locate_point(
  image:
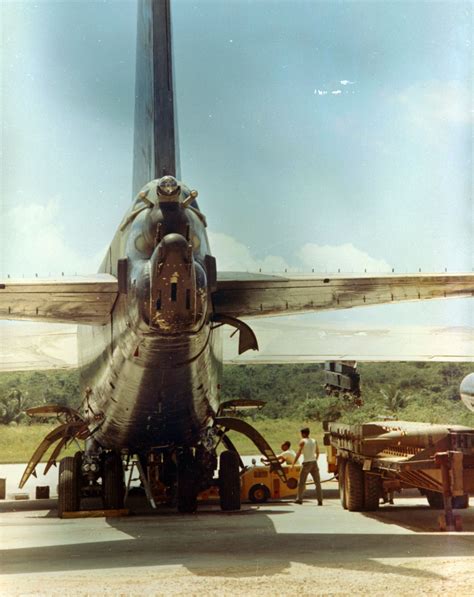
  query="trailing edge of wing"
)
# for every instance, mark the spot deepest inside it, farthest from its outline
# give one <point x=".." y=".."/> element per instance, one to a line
<point x="86" y="300"/>
<point x="258" y="295"/>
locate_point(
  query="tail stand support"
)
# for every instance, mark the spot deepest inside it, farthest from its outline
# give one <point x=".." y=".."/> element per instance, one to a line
<point x="447" y="521"/>
<point x="135" y="463"/>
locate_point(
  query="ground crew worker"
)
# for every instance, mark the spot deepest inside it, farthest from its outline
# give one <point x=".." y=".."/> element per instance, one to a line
<point x="286" y="456"/>
<point x="310" y="450"/>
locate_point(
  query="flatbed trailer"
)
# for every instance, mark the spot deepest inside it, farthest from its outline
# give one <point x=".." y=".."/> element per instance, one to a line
<point x="373" y="460"/>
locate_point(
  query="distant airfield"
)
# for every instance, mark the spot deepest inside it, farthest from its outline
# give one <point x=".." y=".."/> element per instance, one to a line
<point x="39" y="346"/>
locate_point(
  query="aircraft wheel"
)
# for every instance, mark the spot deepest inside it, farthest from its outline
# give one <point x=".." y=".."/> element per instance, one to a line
<point x="435" y="499"/>
<point x="113" y="487"/>
<point x="341" y="474"/>
<point x="229" y="480"/>
<point x="354" y="487"/>
<point x="372" y="492"/>
<point x="69" y="484"/>
<point x="187" y="484"/>
<point x="258" y="494"/>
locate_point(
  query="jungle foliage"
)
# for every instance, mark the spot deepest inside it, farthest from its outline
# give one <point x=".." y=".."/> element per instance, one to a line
<point x="411" y="391"/>
<point x="23" y="389"/>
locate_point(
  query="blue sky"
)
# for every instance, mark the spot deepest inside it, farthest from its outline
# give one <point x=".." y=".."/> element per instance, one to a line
<point x="320" y="135"/>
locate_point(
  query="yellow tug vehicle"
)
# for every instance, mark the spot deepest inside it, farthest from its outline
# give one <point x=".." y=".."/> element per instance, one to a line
<point x="259" y="483"/>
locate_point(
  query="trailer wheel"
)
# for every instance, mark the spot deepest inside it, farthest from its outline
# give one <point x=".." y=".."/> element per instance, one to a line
<point x="435" y="499"/>
<point x="69" y="484"/>
<point x="258" y="494"/>
<point x="372" y="491"/>
<point x="113" y="487"/>
<point x="229" y="480"/>
<point x="341" y="478"/>
<point x="354" y="487"/>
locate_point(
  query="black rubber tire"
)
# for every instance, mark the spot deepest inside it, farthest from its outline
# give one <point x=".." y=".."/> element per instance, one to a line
<point x="372" y="491"/>
<point x="186" y="484"/>
<point x="229" y="481"/>
<point x="258" y="494"/>
<point x="435" y="500"/>
<point x="354" y="487"/>
<point x="461" y="502"/>
<point x="113" y="486"/>
<point x="69" y="498"/>
<point x="341" y="474"/>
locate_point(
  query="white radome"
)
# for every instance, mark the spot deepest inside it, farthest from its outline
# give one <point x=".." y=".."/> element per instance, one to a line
<point x="467" y="391"/>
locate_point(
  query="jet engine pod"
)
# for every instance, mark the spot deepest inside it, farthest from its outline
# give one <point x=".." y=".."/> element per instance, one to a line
<point x="467" y="391"/>
<point x="178" y="293"/>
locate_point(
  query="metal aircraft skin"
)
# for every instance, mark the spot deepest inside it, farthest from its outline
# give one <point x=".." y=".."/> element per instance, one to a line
<point x="149" y="337"/>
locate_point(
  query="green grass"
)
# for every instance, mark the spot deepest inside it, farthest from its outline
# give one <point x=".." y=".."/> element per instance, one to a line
<point x="17" y="443"/>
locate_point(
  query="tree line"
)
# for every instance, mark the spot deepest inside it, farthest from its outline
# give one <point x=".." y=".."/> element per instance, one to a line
<point x="411" y="391"/>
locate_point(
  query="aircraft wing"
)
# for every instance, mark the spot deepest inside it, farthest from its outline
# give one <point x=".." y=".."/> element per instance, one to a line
<point x="87" y="300"/>
<point x="260" y="295"/>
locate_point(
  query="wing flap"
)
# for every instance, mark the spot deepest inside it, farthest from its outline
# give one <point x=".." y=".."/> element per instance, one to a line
<point x="75" y="300"/>
<point x="254" y="295"/>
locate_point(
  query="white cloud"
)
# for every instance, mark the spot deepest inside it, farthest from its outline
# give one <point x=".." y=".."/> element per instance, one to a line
<point x="233" y="255"/>
<point x="38" y="245"/>
<point x="347" y="82"/>
<point x="320" y="92"/>
<point x="434" y="103"/>
<point x="33" y="242"/>
<point x="345" y="258"/>
<point x="336" y="92"/>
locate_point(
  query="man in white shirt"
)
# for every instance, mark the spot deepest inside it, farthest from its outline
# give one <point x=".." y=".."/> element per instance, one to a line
<point x="287" y="456"/>
<point x="310" y="450"/>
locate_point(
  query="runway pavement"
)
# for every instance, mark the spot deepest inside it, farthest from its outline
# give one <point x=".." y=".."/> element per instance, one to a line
<point x="271" y="549"/>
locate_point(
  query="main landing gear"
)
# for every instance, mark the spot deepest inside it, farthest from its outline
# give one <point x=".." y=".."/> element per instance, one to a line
<point x="79" y="477"/>
<point x="187" y="482"/>
<point x="69" y="484"/>
<point x="194" y="476"/>
<point x="229" y="481"/>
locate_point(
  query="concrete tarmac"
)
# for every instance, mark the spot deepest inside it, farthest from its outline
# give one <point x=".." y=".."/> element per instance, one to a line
<point x="278" y="548"/>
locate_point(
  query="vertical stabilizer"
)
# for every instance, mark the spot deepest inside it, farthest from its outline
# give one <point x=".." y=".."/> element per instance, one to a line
<point x="155" y="136"/>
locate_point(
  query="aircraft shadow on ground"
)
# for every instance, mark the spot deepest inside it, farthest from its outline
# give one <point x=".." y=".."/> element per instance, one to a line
<point x="239" y="544"/>
<point x="419" y="518"/>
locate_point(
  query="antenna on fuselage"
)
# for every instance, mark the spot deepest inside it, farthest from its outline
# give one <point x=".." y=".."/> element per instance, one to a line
<point x="155" y="151"/>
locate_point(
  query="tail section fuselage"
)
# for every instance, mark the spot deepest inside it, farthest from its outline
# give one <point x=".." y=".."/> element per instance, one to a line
<point x="152" y="374"/>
